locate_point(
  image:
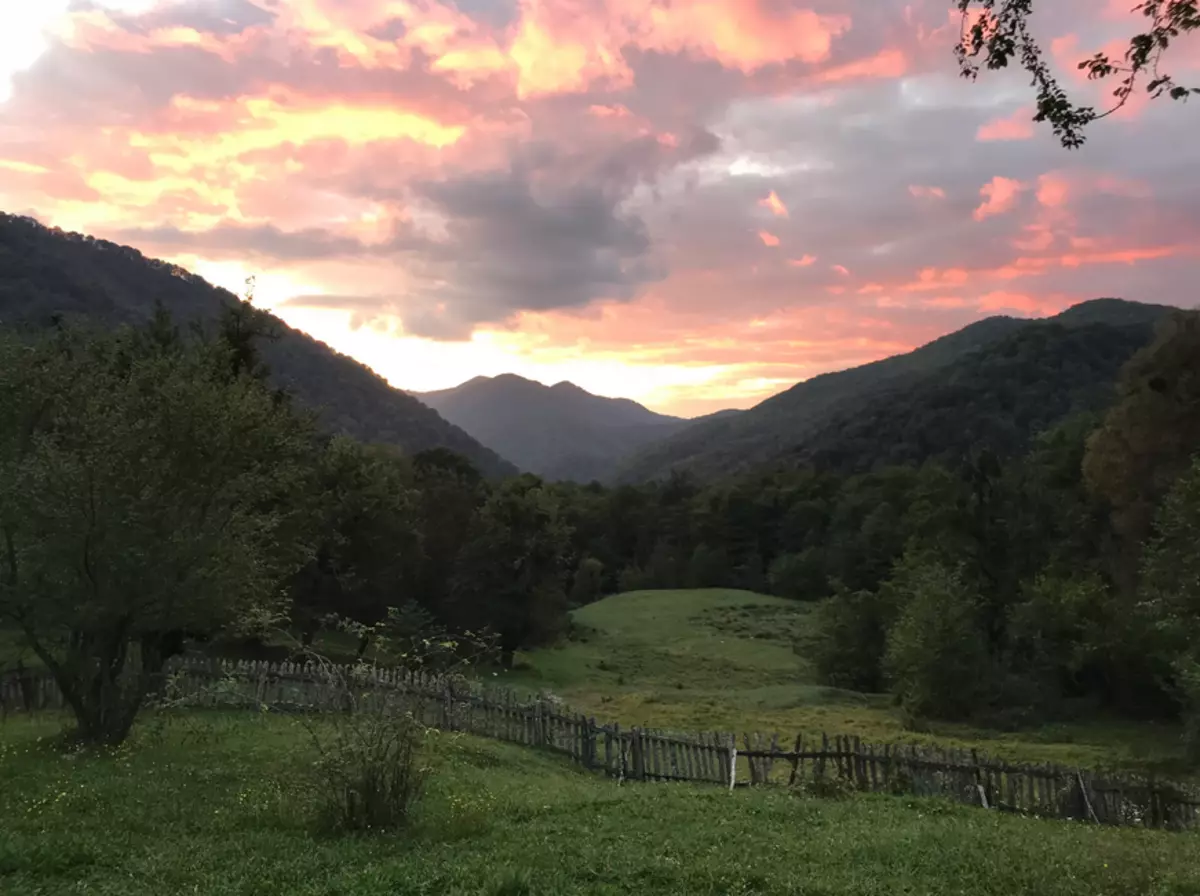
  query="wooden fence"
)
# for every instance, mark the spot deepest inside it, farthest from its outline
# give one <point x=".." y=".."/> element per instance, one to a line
<point x="823" y="765"/>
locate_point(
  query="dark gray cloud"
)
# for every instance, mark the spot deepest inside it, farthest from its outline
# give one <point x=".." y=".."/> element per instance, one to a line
<point x="514" y="242"/>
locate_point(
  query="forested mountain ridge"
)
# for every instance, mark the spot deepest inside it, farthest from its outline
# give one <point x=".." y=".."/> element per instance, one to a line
<point x="46" y="272"/>
<point x="560" y="432"/>
<point x="999" y="397"/>
<point x="779" y="428"/>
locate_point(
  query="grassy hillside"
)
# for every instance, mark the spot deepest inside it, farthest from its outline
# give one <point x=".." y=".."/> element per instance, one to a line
<point x="779" y="426"/>
<point x="218" y="805"/>
<point x="718" y="660"/>
<point x="44" y="273"/>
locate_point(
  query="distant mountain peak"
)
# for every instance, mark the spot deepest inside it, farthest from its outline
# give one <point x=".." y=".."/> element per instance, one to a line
<point x="560" y="431"/>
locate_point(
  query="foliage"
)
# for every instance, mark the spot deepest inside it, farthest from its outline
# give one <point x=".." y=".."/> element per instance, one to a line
<point x="146" y="491"/>
<point x="512" y="569"/>
<point x="1171" y="593"/>
<point x="999" y="31"/>
<point x="369" y="546"/>
<point x="368" y="775"/>
<point x="936" y="659"/>
<point x="588" y="583"/>
<point x="1149" y="435"/>
<point x="853" y="627"/>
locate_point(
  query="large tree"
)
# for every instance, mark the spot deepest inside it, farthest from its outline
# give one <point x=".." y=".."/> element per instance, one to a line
<point x="997" y="33"/>
<point x="512" y="571"/>
<point x="146" y="490"/>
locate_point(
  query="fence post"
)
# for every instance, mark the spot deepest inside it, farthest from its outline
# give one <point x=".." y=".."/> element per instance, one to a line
<point x="732" y="762"/>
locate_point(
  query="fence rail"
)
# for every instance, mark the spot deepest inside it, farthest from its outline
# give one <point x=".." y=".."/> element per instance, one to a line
<point x="651" y="754"/>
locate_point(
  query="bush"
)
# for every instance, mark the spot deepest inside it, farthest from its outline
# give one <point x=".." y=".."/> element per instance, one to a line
<point x="936" y="660"/>
<point x="851" y="636"/>
<point x="368" y="775"/>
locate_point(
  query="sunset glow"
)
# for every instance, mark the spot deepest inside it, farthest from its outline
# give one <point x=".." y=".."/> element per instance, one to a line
<point x="693" y="203"/>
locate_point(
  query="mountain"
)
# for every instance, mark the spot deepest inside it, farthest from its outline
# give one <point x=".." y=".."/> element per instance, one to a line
<point x="559" y="431"/>
<point x="817" y="409"/>
<point x="999" y="396"/>
<point x="46" y="272"/>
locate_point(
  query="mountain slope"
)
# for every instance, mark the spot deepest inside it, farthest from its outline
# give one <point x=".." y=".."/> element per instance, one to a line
<point x="999" y="396"/>
<point x="779" y="427"/>
<point x="46" y="272"/>
<point x="560" y="431"/>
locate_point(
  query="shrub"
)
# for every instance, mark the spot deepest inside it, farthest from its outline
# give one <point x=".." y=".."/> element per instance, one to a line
<point x="936" y="660"/>
<point x="851" y="635"/>
<point x="368" y="775"/>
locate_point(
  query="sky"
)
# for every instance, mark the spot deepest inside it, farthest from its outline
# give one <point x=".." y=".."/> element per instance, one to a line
<point x="692" y="204"/>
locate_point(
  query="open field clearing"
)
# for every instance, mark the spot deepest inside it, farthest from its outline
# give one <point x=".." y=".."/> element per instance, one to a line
<point x="718" y="660"/>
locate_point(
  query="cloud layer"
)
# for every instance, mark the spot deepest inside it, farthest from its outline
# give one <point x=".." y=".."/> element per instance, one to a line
<point x="693" y="202"/>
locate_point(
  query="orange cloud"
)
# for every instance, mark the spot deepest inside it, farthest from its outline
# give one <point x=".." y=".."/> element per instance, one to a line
<point x="1018" y="126"/>
<point x="841" y="269"/>
<point x="775" y="204"/>
<point x="999" y="195"/>
<point x="803" y="262"/>
<point x="769" y="239"/>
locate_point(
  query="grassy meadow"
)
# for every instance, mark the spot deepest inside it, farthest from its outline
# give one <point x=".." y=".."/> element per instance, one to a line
<point x="219" y="805"/>
<point x="718" y="660"/>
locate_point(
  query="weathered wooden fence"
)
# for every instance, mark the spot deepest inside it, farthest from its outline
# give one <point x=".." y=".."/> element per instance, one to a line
<point x="648" y="754"/>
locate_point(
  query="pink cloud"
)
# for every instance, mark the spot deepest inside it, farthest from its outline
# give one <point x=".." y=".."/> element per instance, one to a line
<point x="769" y="239"/>
<point x="999" y="196"/>
<point x="1018" y="126"/>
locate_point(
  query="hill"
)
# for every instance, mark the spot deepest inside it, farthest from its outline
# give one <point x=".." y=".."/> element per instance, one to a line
<point x="502" y="820"/>
<point x="559" y="432"/>
<point x="779" y="427"/>
<point x="999" y="396"/>
<point x="46" y="272"/>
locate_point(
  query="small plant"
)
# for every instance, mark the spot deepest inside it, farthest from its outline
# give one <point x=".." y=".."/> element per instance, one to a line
<point x="368" y="775"/>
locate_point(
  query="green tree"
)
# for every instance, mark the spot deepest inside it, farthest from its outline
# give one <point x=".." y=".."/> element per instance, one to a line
<point x="1149" y="435"/>
<point x="588" y="583"/>
<point x="1171" y="594"/>
<point x="512" y="570"/>
<point x="936" y="662"/>
<point x="144" y="493"/>
<point x="998" y="32"/>
<point x="851" y="639"/>
<point x="368" y="553"/>
<point x="709" y="567"/>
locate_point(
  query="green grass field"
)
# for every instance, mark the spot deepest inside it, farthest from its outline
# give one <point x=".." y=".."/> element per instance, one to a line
<point x="717" y="660"/>
<point x="219" y="805"/>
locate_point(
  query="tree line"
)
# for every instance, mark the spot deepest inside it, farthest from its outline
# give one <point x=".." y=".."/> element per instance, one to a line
<point x="156" y="493"/>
